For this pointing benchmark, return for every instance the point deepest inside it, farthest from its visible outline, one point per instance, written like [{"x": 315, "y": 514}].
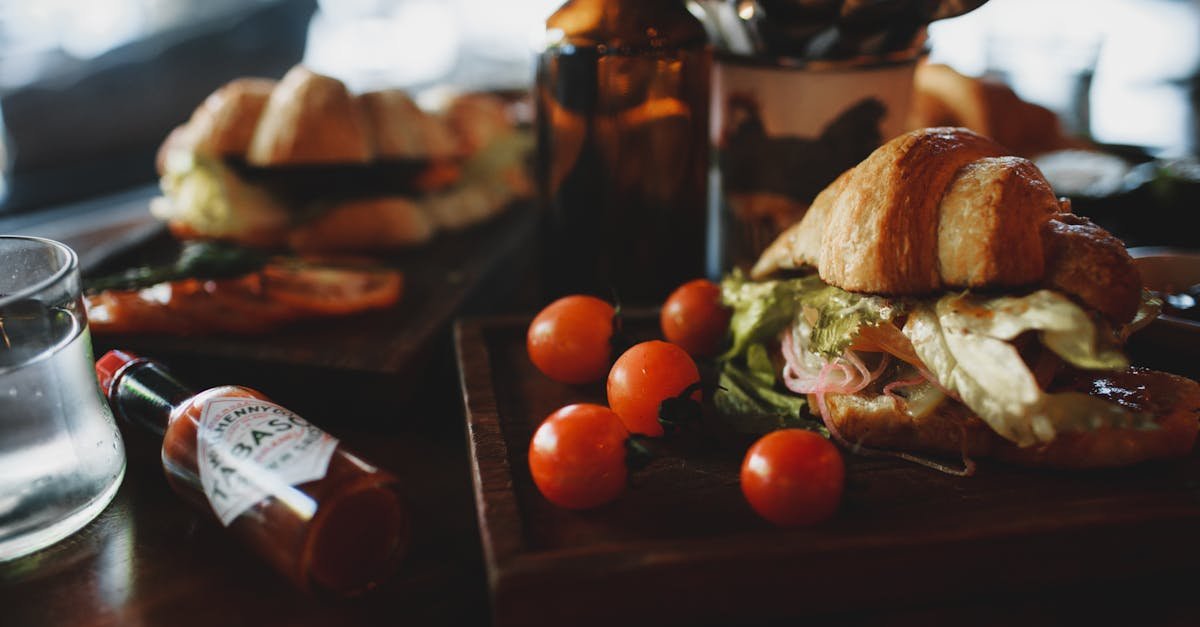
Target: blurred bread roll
[
  {"x": 477, "y": 120},
  {"x": 402, "y": 130},
  {"x": 223, "y": 125},
  {"x": 303, "y": 162},
  {"x": 944, "y": 97},
  {"x": 310, "y": 119}
]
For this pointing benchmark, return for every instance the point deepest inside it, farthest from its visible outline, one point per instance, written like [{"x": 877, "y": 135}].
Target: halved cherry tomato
[
  {"x": 694, "y": 318},
  {"x": 793, "y": 477},
  {"x": 570, "y": 340},
  {"x": 645, "y": 376},
  {"x": 577, "y": 456}
]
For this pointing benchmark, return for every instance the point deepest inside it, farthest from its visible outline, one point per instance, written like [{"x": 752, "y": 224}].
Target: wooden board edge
[
  {"x": 496, "y": 507},
  {"x": 509, "y": 229},
  {"x": 591, "y": 577},
  {"x": 660, "y": 587}
]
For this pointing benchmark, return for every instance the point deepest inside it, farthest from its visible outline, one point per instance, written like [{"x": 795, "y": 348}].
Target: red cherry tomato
[
  {"x": 643, "y": 377},
  {"x": 793, "y": 477},
  {"x": 694, "y": 318},
  {"x": 577, "y": 456},
  {"x": 569, "y": 341}
]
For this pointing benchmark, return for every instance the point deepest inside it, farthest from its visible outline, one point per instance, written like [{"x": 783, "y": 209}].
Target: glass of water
[{"x": 61, "y": 456}]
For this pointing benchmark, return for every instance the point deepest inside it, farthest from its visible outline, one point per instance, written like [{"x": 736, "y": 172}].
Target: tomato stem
[
  {"x": 678, "y": 412},
  {"x": 639, "y": 452},
  {"x": 619, "y": 342}
]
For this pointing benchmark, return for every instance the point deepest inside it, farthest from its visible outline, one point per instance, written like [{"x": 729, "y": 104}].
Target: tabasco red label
[{"x": 249, "y": 449}]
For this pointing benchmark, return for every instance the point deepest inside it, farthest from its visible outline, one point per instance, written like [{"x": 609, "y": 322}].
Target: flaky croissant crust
[{"x": 943, "y": 208}]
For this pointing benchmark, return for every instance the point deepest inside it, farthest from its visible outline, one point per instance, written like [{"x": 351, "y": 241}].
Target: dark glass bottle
[
  {"x": 319, "y": 514},
  {"x": 623, "y": 99}
]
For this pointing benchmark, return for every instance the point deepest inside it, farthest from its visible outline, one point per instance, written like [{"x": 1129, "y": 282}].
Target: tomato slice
[
  {"x": 186, "y": 307},
  {"x": 227, "y": 305},
  {"x": 281, "y": 292},
  {"x": 330, "y": 290},
  {"x": 114, "y": 311}
]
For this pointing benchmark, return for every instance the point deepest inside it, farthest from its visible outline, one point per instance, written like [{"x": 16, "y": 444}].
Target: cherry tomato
[
  {"x": 570, "y": 340},
  {"x": 793, "y": 477},
  {"x": 577, "y": 456},
  {"x": 694, "y": 318},
  {"x": 643, "y": 377}
]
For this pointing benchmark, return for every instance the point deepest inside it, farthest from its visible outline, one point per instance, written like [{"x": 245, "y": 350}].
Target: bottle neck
[{"x": 145, "y": 394}]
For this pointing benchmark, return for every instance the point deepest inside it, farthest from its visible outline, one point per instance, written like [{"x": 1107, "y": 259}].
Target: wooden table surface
[{"x": 151, "y": 560}]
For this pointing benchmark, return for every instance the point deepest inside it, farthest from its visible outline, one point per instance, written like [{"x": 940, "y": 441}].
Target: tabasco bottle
[
  {"x": 622, "y": 96},
  {"x": 320, "y": 515}
]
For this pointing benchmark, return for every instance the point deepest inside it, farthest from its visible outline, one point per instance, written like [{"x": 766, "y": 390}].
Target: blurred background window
[
  {"x": 88, "y": 90},
  {"x": 417, "y": 44},
  {"x": 1118, "y": 71}
]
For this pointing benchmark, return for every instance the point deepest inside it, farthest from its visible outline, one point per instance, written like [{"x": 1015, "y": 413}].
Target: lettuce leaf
[
  {"x": 214, "y": 200},
  {"x": 761, "y": 310},
  {"x": 750, "y": 396},
  {"x": 1065, "y": 328},
  {"x": 965, "y": 341},
  {"x": 839, "y": 315},
  {"x": 747, "y": 399}
]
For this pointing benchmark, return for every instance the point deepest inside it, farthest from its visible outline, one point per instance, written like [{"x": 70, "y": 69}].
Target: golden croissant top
[{"x": 945, "y": 208}]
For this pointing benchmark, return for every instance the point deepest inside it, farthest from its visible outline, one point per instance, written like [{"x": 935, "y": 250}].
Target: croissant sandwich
[
  {"x": 937, "y": 299},
  {"x": 303, "y": 163}
]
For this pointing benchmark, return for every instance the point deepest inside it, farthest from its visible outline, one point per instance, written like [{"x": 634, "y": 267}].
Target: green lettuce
[
  {"x": 761, "y": 309},
  {"x": 749, "y": 397},
  {"x": 965, "y": 341},
  {"x": 839, "y": 317},
  {"x": 749, "y": 402}
]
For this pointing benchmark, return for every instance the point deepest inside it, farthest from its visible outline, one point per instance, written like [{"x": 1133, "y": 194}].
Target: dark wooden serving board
[
  {"x": 681, "y": 546},
  {"x": 440, "y": 278}
]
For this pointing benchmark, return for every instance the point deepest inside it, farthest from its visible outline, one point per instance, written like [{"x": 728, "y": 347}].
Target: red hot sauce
[{"x": 316, "y": 512}]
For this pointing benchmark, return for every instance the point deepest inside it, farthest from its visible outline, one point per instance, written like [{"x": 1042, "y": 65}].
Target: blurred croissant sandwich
[
  {"x": 303, "y": 163},
  {"x": 938, "y": 299},
  {"x": 944, "y": 97}
]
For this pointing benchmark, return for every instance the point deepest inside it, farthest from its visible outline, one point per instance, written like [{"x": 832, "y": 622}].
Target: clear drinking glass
[{"x": 61, "y": 456}]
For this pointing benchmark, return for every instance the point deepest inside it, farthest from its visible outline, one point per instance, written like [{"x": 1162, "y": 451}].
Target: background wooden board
[
  {"x": 440, "y": 278},
  {"x": 682, "y": 546}
]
